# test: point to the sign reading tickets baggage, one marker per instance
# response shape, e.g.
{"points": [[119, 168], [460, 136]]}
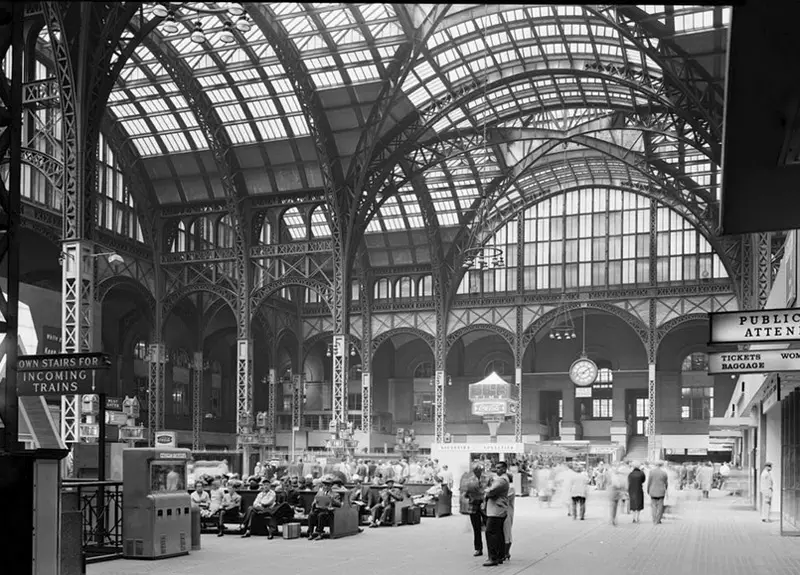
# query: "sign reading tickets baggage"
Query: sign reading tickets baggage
{"points": [[755, 326], [60, 374], [760, 361]]}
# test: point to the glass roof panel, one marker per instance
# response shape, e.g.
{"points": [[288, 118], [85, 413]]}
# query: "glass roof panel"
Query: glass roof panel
{"points": [[294, 223], [319, 223]]}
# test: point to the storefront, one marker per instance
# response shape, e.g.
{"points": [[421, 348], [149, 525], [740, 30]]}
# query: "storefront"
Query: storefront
{"points": [[790, 463]]}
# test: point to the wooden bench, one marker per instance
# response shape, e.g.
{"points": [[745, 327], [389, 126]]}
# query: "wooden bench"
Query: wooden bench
{"points": [[374, 499], [442, 507]]}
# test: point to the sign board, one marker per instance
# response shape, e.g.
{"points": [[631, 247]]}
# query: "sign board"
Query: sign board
{"points": [[489, 408], [697, 451], [130, 407], [116, 418], [754, 326], [114, 403], [50, 344], [165, 439], [90, 430], [173, 455], [583, 392], [60, 374], [754, 361], [771, 394], [482, 447], [674, 451], [790, 249], [131, 433]]}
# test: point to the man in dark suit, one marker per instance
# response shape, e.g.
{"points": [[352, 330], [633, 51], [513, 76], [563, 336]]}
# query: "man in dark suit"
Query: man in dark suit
{"points": [[657, 484], [496, 496], [472, 490]]}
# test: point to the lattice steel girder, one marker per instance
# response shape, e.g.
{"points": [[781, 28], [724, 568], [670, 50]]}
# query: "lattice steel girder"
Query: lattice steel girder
{"points": [[157, 359], [518, 412], [439, 410], [40, 93], [273, 390], [764, 267], [293, 248], [399, 141], [419, 27], [77, 322], [197, 402], [690, 86], [229, 172], [199, 256], [244, 386], [339, 353], [297, 400]]}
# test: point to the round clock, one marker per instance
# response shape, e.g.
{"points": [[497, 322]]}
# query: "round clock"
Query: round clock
{"points": [[583, 371]]}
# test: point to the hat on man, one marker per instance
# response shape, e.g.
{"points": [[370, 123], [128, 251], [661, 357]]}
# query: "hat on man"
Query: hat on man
{"points": [[390, 480], [356, 477], [327, 480]]}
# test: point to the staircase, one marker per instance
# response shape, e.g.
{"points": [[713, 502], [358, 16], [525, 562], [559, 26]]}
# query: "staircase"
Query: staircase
{"points": [[637, 448], [37, 418]]}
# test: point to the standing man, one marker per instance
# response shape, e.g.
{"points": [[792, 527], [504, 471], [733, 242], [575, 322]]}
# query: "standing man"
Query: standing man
{"points": [[657, 483], [496, 510], [766, 492], [447, 477], [472, 488]]}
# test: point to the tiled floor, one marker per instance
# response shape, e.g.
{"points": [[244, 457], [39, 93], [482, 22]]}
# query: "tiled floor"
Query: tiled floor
{"points": [[714, 537]]}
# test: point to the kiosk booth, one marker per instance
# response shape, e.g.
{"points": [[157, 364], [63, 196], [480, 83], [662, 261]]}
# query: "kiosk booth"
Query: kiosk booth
{"points": [[156, 516]]}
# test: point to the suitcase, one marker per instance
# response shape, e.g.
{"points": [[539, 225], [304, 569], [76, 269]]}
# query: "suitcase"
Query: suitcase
{"points": [[291, 530], [411, 515]]}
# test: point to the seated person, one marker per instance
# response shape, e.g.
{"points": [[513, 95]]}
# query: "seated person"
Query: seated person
{"points": [[357, 494], [431, 495], [201, 499], [266, 508], [215, 496], [322, 509], [230, 505], [385, 506]]}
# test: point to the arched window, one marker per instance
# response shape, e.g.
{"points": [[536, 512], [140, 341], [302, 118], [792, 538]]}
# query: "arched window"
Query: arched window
{"points": [[181, 242], [697, 361], [425, 286], [294, 224], [201, 234], [383, 289], [424, 370], [224, 232], [355, 293], [140, 350], [499, 366], [115, 209], [312, 296], [404, 288], [319, 223], [266, 234]]}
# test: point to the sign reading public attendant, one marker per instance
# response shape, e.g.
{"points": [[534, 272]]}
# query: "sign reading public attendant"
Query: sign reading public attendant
{"points": [[755, 326], [760, 361], [60, 374]]}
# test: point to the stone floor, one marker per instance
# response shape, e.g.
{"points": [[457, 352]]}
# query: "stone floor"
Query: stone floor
{"points": [[712, 537]]}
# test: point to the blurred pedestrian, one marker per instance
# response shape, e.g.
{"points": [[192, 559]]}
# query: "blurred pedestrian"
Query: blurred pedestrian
{"points": [[636, 491], [766, 492]]}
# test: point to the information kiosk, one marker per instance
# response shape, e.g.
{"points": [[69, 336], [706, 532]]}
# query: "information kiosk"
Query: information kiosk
{"points": [[157, 506]]}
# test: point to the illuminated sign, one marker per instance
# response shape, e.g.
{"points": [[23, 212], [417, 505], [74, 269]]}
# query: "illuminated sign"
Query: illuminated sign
{"points": [[755, 326], [583, 392], [175, 455], [489, 408], [166, 439], [757, 361], [90, 430]]}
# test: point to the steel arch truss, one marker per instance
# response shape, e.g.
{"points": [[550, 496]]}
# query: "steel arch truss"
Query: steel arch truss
{"points": [[170, 301], [507, 335], [382, 338], [663, 330], [261, 294], [106, 285]]}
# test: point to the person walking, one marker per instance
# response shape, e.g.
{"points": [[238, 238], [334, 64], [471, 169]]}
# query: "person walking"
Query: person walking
{"points": [[657, 484], [636, 490], [767, 484], [578, 491], [496, 510], [705, 476], [617, 484]]}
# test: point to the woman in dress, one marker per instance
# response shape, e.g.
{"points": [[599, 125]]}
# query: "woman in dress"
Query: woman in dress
{"points": [[636, 490]]}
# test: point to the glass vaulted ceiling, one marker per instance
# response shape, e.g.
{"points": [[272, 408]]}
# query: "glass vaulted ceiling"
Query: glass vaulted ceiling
{"points": [[483, 70]]}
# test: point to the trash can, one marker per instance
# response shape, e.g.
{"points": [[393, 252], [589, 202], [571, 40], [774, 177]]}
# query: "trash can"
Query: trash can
{"points": [[195, 528]]}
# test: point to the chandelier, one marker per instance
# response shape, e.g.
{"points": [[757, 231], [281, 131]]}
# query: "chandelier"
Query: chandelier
{"points": [[563, 327], [232, 12], [483, 257]]}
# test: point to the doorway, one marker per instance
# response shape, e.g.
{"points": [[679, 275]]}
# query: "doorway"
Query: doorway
{"points": [[637, 411], [551, 412]]}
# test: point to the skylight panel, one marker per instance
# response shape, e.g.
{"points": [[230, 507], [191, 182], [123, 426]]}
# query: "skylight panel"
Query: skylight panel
{"points": [[363, 73], [448, 219], [221, 95], [165, 123], [299, 125], [176, 142], [240, 133], [125, 110], [394, 224], [232, 113], [147, 146], [154, 106], [262, 108], [327, 79], [374, 225], [256, 90], [271, 129], [136, 127], [199, 139]]}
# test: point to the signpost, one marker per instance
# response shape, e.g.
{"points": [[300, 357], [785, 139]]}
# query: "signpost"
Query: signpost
{"points": [[60, 374], [754, 361]]}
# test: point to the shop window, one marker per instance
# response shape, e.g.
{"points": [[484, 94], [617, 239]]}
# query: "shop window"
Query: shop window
{"points": [[423, 406], [601, 408], [697, 403], [605, 375]]}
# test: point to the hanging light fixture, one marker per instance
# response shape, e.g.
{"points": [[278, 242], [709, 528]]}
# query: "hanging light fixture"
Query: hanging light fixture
{"points": [[483, 257], [563, 327], [233, 15]]}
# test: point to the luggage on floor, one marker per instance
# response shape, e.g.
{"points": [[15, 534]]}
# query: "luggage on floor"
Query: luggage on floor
{"points": [[411, 515], [291, 531]]}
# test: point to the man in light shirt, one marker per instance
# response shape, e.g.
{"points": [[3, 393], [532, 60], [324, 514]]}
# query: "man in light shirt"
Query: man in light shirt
{"points": [[767, 484], [447, 477], [201, 499]]}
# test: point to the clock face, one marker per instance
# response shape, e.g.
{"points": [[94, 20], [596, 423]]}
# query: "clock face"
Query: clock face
{"points": [[583, 371]]}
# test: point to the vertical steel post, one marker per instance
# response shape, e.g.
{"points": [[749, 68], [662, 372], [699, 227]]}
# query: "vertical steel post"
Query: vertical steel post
{"points": [[244, 396], [9, 406], [197, 401], [271, 415], [157, 359]]}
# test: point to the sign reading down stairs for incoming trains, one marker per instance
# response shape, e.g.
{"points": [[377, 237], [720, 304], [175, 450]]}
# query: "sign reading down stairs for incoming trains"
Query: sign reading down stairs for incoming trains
{"points": [[769, 325], [60, 374], [759, 361]]}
